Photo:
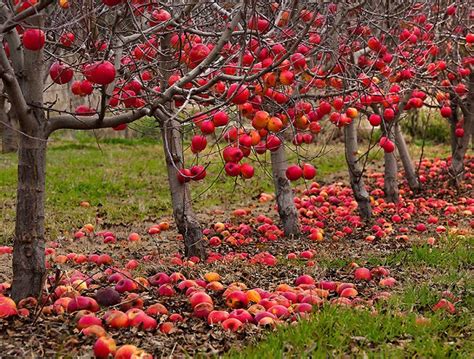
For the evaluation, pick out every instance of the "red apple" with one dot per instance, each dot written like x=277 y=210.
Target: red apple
x=104 y=347
x=294 y=172
x=61 y=73
x=33 y=39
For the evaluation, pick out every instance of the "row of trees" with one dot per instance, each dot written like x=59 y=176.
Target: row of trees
x=256 y=76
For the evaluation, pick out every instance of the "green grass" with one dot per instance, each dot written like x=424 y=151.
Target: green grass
x=334 y=332
x=450 y=252
x=127 y=178
x=391 y=331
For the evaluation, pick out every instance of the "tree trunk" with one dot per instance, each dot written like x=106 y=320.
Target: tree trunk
x=460 y=145
x=410 y=172
x=186 y=221
x=284 y=194
x=391 y=169
x=355 y=173
x=28 y=250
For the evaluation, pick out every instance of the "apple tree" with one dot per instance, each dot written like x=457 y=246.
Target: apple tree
x=126 y=60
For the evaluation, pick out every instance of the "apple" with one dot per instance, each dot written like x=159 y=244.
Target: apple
x=232 y=169
x=238 y=94
x=198 y=143
x=232 y=154
x=388 y=114
x=207 y=127
x=246 y=170
x=107 y=297
x=387 y=145
x=200 y=297
x=362 y=274
x=104 y=347
x=294 y=172
x=298 y=61
x=220 y=118
x=236 y=299
x=116 y=319
x=241 y=314
x=133 y=237
x=156 y=310
x=126 y=285
x=61 y=73
x=309 y=172
x=33 y=39
x=231 y=324
x=459 y=132
x=203 y=309
x=101 y=72
x=94 y=330
x=197 y=54
x=446 y=305
x=7 y=307
x=127 y=351
x=287 y=77
x=375 y=120
x=111 y=2
x=260 y=120
x=304 y=279
x=273 y=143
x=198 y=172
x=217 y=316
x=446 y=111
x=88 y=320
x=67 y=39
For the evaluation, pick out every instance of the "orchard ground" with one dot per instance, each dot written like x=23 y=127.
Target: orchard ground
x=125 y=183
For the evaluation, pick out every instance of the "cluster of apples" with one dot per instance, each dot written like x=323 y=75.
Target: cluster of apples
x=243 y=306
x=323 y=208
x=88 y=231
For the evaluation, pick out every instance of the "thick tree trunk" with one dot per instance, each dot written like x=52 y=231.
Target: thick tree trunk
x=355 y=173
x=390 y=172
x=410 y=172
x=460 y=145
x=28 y=251
x=29 y=270
x=284 y=194
x=186 y=221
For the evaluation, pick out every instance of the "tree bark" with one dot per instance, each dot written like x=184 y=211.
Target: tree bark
x=410 y=172
x=355 y=173
x=29 y=269
x=186 y=221
x=284 y=194
x=391 y=169
x=8 y=123
x=460 y=145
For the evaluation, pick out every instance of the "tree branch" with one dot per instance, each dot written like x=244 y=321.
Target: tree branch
x=92 y=122
x=13 y=89
x=14 y=20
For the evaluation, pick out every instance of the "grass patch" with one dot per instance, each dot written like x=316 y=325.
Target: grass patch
x=335 y=332
x=126 y=181
x=392 y=329
x=450 y=252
